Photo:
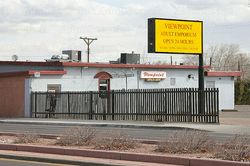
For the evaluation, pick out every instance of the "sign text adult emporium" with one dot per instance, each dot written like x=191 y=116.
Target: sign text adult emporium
x=174 y=36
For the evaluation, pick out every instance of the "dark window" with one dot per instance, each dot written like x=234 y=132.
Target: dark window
x=103 y=88
x=103 y=81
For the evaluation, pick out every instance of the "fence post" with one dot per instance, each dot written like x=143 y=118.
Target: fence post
x=166 y=104
x=108 y=104
x=35 y=104
x=190 y=105
x=91 y=106
x=201 y=105
x=217 y=105
x=104 y=108
x=31 y=104
x=113 y=104
x=206 y=113
x=68 y=105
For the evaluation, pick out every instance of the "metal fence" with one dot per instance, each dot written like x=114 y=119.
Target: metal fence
x=173 y=105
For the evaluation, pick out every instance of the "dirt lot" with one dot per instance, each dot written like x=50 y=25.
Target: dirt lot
x=241 y=117
x=142 y=148
x=195 y=144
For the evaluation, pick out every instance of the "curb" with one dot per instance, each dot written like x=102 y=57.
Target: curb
x=229 y=110
x=106 y=125
x=161 y=159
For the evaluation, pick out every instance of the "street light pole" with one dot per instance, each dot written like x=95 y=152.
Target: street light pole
x=88 y=41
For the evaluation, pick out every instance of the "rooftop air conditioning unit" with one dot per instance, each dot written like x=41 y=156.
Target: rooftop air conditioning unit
x=74 y=55
x=130 y=58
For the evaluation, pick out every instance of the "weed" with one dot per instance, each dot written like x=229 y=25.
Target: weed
x=186 y=142
x=76 y=136
x=116 y=141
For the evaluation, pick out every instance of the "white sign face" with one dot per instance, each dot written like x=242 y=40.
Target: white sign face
x=37 y=74
x=153 y=74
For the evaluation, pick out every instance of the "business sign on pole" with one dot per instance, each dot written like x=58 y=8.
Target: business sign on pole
x=175 y=36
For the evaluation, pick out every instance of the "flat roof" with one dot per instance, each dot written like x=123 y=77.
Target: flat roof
x=99 y=65
x=223 y=73
x=32 y=72
x=30 y=63
x=104 y=65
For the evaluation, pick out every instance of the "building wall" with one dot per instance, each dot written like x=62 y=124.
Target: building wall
x=12 y=97
x=226 y=91
x=82 y=79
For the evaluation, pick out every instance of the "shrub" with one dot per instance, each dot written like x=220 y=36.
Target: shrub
x=26 y=138
x=76 y=136
x=242 y=92
x=116 y=141
x=235 y=149
x=186 y=142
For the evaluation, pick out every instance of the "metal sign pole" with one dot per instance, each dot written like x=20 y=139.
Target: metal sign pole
x=201 y=73
x=201 y=85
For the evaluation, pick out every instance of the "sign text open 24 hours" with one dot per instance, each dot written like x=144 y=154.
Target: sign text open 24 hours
x=174 y=36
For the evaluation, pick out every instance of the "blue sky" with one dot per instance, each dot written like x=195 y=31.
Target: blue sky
x=35 y=30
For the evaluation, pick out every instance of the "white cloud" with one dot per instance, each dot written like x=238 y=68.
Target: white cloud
x=40 y=28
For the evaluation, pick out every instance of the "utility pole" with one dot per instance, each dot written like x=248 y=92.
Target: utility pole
x=239 y=78
x=88 y=41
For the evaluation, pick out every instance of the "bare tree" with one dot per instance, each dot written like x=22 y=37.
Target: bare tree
x=191 y=60
x=244 y=65
x=223 y=57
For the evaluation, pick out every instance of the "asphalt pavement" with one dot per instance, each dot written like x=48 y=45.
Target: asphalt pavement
x=146 y=130
x=14 y=162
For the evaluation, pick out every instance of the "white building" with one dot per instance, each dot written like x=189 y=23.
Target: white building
x=19 y=79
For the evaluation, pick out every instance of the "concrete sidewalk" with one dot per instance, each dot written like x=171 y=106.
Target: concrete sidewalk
x=218 y=128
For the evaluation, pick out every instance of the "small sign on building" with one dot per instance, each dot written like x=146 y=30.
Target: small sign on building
x=153 y=76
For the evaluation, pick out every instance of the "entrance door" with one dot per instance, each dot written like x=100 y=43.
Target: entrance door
x=102 y=103
x=104 y=88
